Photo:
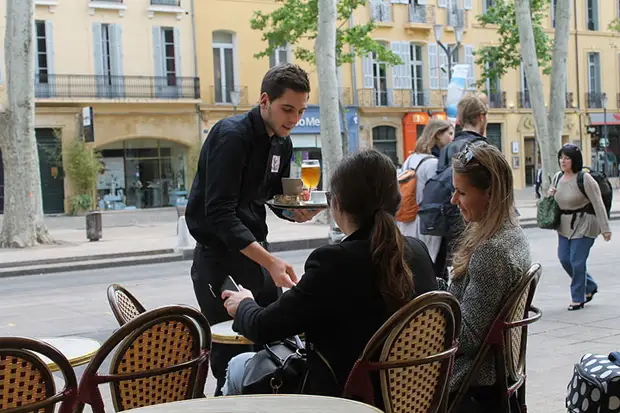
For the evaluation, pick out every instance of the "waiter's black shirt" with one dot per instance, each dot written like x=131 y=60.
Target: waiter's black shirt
x=239 y=169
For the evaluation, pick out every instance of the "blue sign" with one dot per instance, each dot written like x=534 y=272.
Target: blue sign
x=310 y=124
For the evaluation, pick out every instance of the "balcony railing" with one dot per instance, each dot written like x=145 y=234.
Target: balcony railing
x=176 y=3
x=456 y=17
x=524 y=100
x=594 y=100
x=109 y=1
x=116 y=87
x=497 y=100
x=406 y=98
x=421 y=14
x=225 y=96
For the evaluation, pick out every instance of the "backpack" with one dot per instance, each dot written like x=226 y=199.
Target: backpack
x=595 y=385
x=607 y=191
x=407 y=182
x=437 y=214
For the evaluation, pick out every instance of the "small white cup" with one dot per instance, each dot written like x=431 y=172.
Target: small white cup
x=318 y=197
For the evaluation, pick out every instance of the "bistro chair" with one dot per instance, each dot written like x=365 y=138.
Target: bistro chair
x=506 y=341
x=26 y=382
x=413 y=353
x=124 y=305
x=161 y=356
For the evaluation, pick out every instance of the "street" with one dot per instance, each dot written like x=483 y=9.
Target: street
x=75 y=303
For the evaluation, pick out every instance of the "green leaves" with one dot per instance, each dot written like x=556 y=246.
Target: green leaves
x=295 y=23
x=506 y=55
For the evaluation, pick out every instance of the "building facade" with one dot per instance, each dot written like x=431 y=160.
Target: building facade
x=133 y=64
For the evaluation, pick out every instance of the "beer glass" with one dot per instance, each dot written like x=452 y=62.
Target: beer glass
x=311 y=173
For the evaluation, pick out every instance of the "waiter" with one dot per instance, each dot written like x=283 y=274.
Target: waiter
x=241 y=166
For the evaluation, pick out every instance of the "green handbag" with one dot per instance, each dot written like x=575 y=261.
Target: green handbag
x=549 y=214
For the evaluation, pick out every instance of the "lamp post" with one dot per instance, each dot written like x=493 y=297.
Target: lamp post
x=458 y=34
x=605 y=141
x=235 y=99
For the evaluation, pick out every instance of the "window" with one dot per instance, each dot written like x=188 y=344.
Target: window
x=487 y=4
x=592 y=15
x=494 y=89
x=42 y=69
x=223 y=66
x=553 y=6
x=280 y=55
x=524 y=101
x=106 y=54
x=167 y=56
x=384 y=140
x=594 y=80
x=108 y=57
x=379 y=74
x=417 y=78
x=380 y=10
x=494 y=134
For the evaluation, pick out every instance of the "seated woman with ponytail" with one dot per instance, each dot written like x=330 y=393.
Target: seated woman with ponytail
x=349 y=289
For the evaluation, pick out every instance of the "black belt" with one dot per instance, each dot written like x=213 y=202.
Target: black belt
x=588 y=209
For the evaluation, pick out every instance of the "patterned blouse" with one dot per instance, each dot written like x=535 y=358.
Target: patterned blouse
x=494 y=269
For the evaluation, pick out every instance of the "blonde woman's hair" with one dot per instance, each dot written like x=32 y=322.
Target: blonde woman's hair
x=430 y=135
x=486 y=168
x=469 y=109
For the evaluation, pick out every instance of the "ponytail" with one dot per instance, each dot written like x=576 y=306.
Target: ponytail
x=389 y=257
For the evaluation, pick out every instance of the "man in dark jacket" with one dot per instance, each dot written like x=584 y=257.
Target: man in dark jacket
x=241 y=166
x=472 y=116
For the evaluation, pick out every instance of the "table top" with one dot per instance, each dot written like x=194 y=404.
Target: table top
x=284 y=403
x=223 y=333
x=77 y=350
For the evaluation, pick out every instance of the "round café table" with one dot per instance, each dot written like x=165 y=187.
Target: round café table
x=223 y=333
x=77 y=350
x=283 y=403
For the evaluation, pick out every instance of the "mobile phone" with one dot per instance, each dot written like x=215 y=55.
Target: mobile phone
x=230 y=284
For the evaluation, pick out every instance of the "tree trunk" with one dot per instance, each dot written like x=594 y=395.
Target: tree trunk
x=325 y=48
x=548 y=126
x=23 y=224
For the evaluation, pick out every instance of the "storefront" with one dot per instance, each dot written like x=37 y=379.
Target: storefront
x=413 y=126
x=142 y=173
x=602 y=149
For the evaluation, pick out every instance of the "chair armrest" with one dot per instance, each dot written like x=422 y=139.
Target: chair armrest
x=537 y=315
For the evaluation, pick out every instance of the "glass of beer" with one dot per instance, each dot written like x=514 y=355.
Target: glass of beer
x=311 y=173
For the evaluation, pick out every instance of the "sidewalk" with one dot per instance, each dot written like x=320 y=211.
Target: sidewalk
x=144 y=236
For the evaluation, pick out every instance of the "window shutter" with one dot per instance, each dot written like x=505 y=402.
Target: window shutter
x=157 y=52
x=443 y=70
x=442 y=3
x=49 y=43
x=367 y=71
x=385 y=11
x=375 y=10
x=469 y=60
x=396 y=70
x=467 y=4
x=422 y=2
x=98 y=49
x=116 y=34
x=433 y=70
x=177 y=52
x=406 y=69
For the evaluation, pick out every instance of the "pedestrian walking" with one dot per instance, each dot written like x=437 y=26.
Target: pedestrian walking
x=241 y=166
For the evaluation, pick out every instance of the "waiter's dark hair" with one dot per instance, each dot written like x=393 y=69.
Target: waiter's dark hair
x=284 y=76
x=573 y=152
x=364 y=186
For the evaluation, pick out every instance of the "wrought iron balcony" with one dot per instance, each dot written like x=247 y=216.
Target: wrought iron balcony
x=524 y=100
x=497 y=100
x=406 y=98
x=421 y=14
x=594 y=100
x=116 y=87
x=221 y=96
x=175 y=3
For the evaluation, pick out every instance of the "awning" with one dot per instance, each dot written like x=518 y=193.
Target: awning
x=599 y=119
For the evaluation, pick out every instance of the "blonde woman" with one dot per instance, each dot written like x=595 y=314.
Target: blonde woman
x=491 y=256
x=436 y=135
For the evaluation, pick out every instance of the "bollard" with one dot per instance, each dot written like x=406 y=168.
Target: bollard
x=93 y=225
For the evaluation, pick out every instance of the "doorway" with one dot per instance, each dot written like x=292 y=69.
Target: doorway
x=52 y=175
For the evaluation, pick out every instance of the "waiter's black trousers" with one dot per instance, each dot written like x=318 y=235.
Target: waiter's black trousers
x=209 y=269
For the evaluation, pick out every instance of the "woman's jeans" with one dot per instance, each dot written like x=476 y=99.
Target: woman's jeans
x=573 y=254
x=234 y=375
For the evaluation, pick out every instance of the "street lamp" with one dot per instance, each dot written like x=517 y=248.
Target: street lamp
x=605 y=141
x=458 y=34
x=235 y=99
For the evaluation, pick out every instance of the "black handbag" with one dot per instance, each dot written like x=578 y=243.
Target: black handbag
x=280 y=367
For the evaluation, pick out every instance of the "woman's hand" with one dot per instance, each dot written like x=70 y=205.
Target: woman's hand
x=552 y=190
x=232 y=299
x=607 y=236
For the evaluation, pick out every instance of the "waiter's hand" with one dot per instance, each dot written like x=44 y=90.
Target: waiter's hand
x=232 y=299
x=282 y=273
x=304 y=215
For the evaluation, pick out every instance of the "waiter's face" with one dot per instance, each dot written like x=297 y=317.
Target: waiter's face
x=282 y=114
